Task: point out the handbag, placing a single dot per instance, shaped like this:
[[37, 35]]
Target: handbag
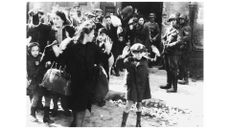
[[57, 80]]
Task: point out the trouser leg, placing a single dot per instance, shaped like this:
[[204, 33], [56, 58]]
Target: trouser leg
[[168, 72], [79, 118]]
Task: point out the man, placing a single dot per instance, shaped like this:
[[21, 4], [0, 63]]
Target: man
[[171, 52], [185, 48], [38, 31], [154, 33], [153, 29]]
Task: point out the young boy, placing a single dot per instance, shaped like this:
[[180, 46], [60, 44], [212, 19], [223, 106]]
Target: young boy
[[34, 75], [137, 81]]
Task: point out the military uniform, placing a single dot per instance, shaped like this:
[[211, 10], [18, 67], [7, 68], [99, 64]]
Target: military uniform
[[171, 53], [186, 49]]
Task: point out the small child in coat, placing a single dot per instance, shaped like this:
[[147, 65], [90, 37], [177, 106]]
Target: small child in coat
[[137, 81], [34, 75]]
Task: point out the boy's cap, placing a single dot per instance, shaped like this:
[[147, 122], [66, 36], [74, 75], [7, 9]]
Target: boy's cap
[[138, 47]]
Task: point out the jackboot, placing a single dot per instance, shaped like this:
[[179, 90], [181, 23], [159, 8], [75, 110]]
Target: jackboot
[[124, 119], [169, 81], [46, 118], [174, 87], [184, 81], [138, 123], [166, 86], [33, 112]]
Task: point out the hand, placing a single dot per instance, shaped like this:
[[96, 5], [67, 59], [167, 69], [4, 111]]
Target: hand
[[125, 53], [29, 82], [168, 45], [151, 40], [108, 45], [36, 63], [28, 40], [65, 42], [48, 64]]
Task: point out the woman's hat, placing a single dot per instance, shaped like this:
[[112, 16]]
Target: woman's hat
[[138, 47]]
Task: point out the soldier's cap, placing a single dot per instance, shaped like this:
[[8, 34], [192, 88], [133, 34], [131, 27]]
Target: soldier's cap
[[40, 12], [31, 12], [152, 15], [173, 17], [138, 47], [90, 14], [183, 16], [98, 10]]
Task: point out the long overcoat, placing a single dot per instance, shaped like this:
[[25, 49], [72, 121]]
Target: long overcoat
[[137, 80], [81, 60]]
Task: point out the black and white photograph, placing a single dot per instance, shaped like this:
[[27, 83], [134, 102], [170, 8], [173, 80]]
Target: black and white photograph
[[114, 64]]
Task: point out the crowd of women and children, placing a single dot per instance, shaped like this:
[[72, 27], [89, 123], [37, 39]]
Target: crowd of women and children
[[71, 55]]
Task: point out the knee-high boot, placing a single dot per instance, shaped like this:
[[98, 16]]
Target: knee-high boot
[[33, 112], [124, 119], [138, 123]]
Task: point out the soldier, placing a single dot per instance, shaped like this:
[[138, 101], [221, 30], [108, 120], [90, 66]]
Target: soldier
[[154, 34], [153, 29], [171, 53], [185, 48]]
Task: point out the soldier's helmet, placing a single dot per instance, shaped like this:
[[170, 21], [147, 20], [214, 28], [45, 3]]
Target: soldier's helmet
[[173, 17], [152, 15], [40, 11], [183, 16], [138, 47]]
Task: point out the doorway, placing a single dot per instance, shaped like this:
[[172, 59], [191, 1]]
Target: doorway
[[147, 7]]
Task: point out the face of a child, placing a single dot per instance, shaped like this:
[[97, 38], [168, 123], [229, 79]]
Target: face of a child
[[138, 55], [102, 37], [141, 21], [108, 21], [35, 51]]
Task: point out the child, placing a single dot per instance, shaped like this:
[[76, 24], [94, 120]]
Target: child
[[137, 81], [102, 40], [34, 75]]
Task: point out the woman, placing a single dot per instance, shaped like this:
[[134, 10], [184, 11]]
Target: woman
[[141, 33], [81, 57], [100, 41], [60, 31]]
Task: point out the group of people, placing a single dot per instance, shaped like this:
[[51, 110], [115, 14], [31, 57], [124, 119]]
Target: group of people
[[82, 45]]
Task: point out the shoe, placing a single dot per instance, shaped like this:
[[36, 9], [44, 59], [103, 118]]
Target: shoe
[[73, 124], [165, 87], [183, 82], [54, 112], [171, 90], [46, 118], [33, 113]]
